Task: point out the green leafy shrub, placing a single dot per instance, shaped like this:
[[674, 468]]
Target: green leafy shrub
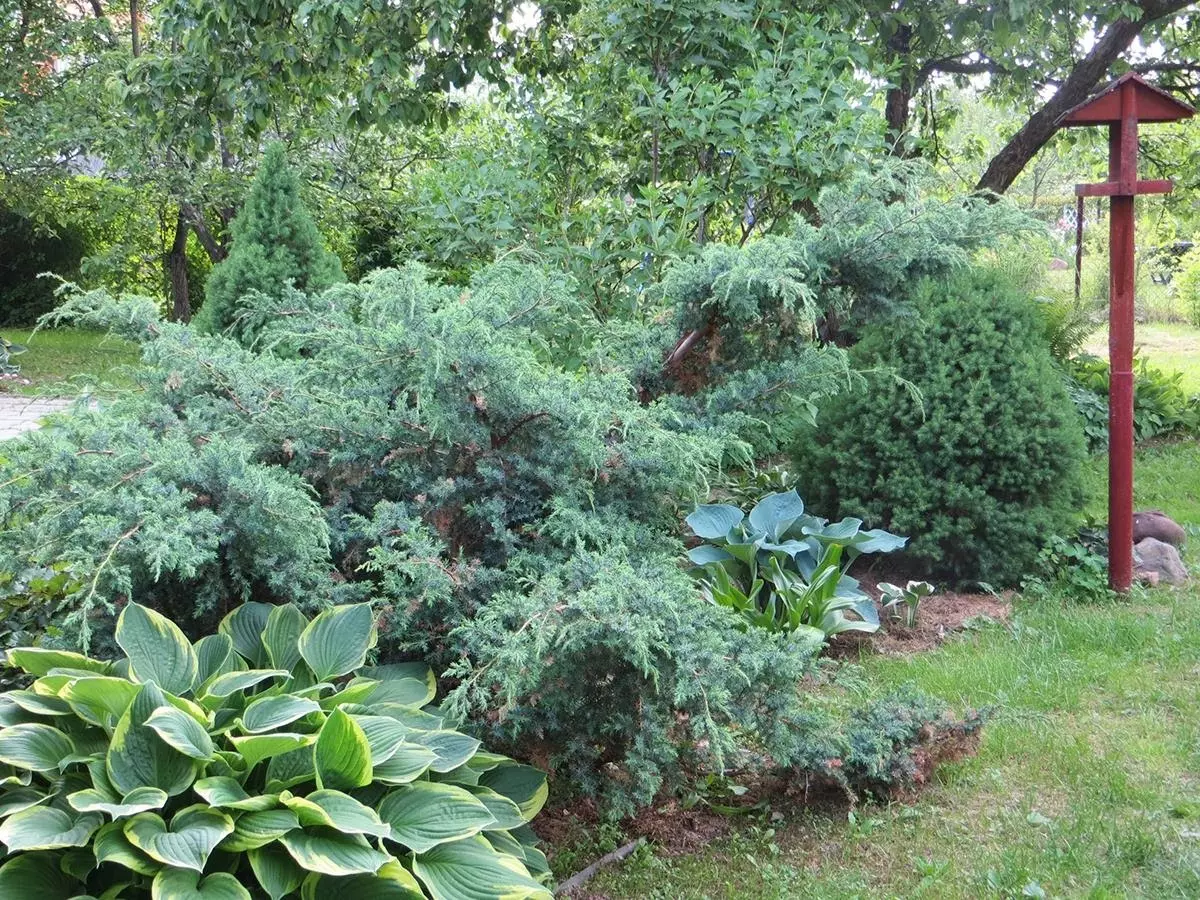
[[265, 760], [783, 569], [1187, 287], [1161, 407], [275, 245], [981, 467], [27, 249], [904, 602]]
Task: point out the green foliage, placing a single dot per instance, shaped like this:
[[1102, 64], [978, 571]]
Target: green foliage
[[262, 760], [1187, 286], [1075, 568], [7, 351], [904, 601], [276, 245], [27, 249], [783, 569], [1161, 407], [985, 464]]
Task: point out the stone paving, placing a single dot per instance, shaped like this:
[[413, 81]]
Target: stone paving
[[18, 414]]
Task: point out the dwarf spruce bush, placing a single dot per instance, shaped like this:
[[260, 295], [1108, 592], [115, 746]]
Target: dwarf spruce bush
[[275, 245], [982, 465], [266, 760]]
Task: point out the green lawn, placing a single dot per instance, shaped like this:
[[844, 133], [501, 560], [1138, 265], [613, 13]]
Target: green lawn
[[1087, 783], [64, 361], [1172, 348]]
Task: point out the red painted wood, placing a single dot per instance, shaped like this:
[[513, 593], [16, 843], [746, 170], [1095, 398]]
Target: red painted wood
[[1104, 108], [1112, 188]]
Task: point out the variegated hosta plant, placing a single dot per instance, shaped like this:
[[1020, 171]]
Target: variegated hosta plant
[[266, 760]]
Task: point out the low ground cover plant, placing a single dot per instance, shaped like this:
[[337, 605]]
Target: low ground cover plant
[[264, 760]]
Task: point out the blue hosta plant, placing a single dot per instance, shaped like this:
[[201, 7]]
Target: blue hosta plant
[[904, 602], [783, 569], [266, 760]]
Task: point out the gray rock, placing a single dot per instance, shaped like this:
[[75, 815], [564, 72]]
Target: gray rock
[[1155, 557], [1154, 523]]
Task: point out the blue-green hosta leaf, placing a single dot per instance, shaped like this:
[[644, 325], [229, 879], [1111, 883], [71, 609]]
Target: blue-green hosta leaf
[[36, 875], [329, 853], [403, 672], [451, 748], [182, 732], [46, 828], [391, 882], [352, 696], [424, 814], [281, 636], [276, 871], [244, 626], [15, 799], [505, 812], [336, 641], [414, 718], [193, 834], [408, 763], [706, 553], [384, 734], [232, 682], [712, 521], [269, 713], [291, 768], [775, 513], [138, 757], [138, 800], [111, 845], [879, 541], [37, 661], [342, 754], [523, 785], [335, 810], [471, 869], [257, 747], [257, 829], [99, 699], [157, 649], [224, 792], [215, 656], [34, 746], [78, 862], [178, 884], [39, 704]]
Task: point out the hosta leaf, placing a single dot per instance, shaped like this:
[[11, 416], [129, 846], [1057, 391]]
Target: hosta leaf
[[276, 871], [409, 762], [392, 882], [193, 834], [111, 845], [342, 754], [138, 757], [37, 661], [336, 810], [325, 851], [39, 704], [706, 553], [182, 732], [405, 691], [36, 875], [775, 513], [451, 748], [257, 747], [78, 862], [417, 719], [138, 800], [281, 636], [94, 698], [291, 768], [269, 713], [352, 695], [232, 682], [215, 656], [15, 799], [46, 828], [177, 884], [713, 521], [257, 829], [34, 746], [425, 814], [157, 649], [336, 641], [226, 793], [472, 870], [506, 813], [523, 785], [384, 735], [244, 626]]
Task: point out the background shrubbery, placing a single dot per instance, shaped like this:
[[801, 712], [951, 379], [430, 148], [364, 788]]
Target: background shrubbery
[[965, 438]]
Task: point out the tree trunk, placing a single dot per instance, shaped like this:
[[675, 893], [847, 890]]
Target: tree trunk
[[135, 34], [900, 94], [181, 307], [1006, 165], [195, 218]]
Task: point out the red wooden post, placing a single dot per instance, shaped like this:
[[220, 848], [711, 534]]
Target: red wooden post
[[1120, 106]]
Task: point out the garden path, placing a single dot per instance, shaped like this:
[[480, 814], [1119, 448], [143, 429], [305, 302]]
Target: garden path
[[20, 414]]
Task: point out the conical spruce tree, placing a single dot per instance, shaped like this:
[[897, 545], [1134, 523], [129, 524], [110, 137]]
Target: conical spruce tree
[[275, 245]]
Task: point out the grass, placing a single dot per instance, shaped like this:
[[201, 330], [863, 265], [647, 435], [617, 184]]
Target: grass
[[1172, 348], [1087, 783], [64, 361]]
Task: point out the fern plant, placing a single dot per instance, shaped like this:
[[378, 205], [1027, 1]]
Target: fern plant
[[264, 760]]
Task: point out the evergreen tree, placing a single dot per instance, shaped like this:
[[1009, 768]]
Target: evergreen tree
[[276, 246]]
